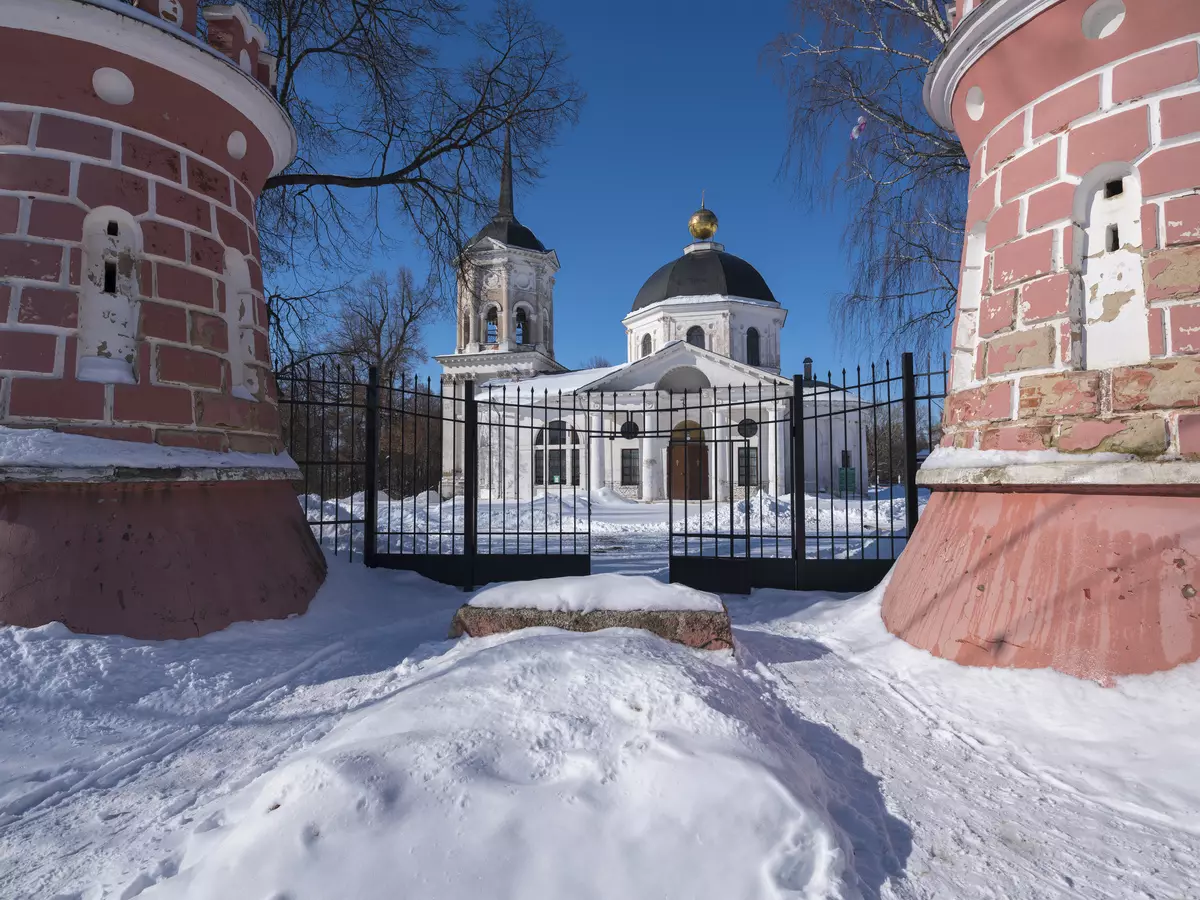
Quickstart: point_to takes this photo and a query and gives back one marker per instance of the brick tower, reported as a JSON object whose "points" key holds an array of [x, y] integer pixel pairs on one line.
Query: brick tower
{"points": [[1077, 338], [131, 156]]}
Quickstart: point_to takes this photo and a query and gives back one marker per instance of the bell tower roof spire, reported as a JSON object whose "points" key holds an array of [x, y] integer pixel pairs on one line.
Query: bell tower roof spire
{"points": [[505, 208], [504, 226]]}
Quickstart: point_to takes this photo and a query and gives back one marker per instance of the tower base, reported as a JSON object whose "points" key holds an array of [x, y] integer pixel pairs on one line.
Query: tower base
{"points": [[1090, 584], [154, 560]]}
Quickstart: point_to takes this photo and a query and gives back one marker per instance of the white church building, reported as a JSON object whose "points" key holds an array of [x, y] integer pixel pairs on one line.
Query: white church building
{"points": [[698, 410]]}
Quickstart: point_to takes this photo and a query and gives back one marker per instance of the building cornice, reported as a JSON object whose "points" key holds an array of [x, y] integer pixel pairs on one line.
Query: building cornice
{"points": [[978, 32], [150, 39], [701, 303]]}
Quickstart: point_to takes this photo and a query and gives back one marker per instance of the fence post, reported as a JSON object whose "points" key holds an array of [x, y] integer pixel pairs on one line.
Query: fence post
{"points": [[470, 481], [371, 477], [910, 442], [799, 542]]}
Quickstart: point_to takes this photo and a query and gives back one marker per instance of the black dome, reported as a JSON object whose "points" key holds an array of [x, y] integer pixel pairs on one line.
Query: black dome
{"points": [[704, 272], [511, 232]]}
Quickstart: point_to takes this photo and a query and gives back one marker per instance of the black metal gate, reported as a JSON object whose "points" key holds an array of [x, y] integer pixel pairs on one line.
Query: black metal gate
{"points": [[815, 490], [463, 489], [808, 486]]}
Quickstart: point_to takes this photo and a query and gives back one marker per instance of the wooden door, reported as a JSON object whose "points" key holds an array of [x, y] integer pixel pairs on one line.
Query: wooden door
{"points": [[689, 471]]}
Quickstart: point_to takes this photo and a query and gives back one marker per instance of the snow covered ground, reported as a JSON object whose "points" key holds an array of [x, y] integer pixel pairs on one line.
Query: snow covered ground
{"points": [[355, 752]]}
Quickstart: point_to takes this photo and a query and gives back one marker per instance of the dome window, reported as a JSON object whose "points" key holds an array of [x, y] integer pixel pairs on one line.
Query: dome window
{"points": [[695, 336], [753, 356], [647, 345]]}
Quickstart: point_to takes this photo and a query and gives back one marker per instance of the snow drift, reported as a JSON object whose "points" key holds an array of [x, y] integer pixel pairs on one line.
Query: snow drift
{"points": [[545, 765]]}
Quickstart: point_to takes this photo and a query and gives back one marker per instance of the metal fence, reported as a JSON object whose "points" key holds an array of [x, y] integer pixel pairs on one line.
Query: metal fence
{"points": [[808, 485]]}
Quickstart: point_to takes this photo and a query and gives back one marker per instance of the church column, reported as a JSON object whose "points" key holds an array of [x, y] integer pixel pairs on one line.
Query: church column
{"points": [[721, 437], [506, 310], [766, 450], [596, 451], [651, 467], [782, 452]]}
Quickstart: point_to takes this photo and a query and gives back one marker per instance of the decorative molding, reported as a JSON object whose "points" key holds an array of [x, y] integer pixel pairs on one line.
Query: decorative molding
{"points": [[128, 474], [148, 38], [1065, 475], [978, 33]]}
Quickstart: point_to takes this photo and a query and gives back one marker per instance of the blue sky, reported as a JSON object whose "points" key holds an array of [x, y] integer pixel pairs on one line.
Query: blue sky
{"points": [[679, 99]]}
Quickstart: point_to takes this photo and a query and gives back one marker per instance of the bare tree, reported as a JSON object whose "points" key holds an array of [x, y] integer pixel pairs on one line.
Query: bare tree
{"points": [[853, 71], [401, 105], [596, 362], [379, 322]]}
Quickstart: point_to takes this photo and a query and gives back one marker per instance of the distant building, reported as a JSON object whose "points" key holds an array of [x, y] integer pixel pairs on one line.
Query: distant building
{"points": [[703, 345]]}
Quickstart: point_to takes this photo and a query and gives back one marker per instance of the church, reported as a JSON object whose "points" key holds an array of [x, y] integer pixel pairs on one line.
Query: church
{"points": [[698, 411]]}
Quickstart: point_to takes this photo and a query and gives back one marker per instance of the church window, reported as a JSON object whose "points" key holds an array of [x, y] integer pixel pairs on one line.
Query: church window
{"points": [[753, 357], [695, 336], [493, 326], [747, 463], [521, 326], [647, 345], [631, 468], [549, 466]]}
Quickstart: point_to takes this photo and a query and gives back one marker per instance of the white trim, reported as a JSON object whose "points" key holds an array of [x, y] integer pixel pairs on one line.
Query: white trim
{"points": [[1064, 474], [976, 34], [224, 13], [124, 475], [142, 36]]}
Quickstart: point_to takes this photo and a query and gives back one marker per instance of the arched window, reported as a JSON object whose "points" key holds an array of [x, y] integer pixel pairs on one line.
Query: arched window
{"points": [[239, 320], [108, 318], [695, 336], [647, 345], [492, 332], [753, 357], [521, 326], [550, 465]]}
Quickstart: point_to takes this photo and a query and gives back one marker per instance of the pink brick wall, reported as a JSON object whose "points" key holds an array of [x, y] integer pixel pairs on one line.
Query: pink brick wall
{"points": [[55, 166], [1141, 110]]}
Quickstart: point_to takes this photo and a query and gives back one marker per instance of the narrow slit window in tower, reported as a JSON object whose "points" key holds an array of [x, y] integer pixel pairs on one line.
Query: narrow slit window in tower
{"points": [[110, 276], [113, 229], [1114, 188], [1113, 241]]}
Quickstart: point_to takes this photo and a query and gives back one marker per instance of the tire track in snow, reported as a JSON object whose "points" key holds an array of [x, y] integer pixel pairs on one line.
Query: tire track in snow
{"points": [[158, 746]]}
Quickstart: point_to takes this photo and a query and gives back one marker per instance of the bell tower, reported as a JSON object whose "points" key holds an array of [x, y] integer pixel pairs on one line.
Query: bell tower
{"points": [[505, 308]]}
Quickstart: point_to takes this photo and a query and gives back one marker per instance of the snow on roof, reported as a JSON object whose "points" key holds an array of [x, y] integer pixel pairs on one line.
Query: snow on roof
{"points": [[566, 382], [596, 592]]}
